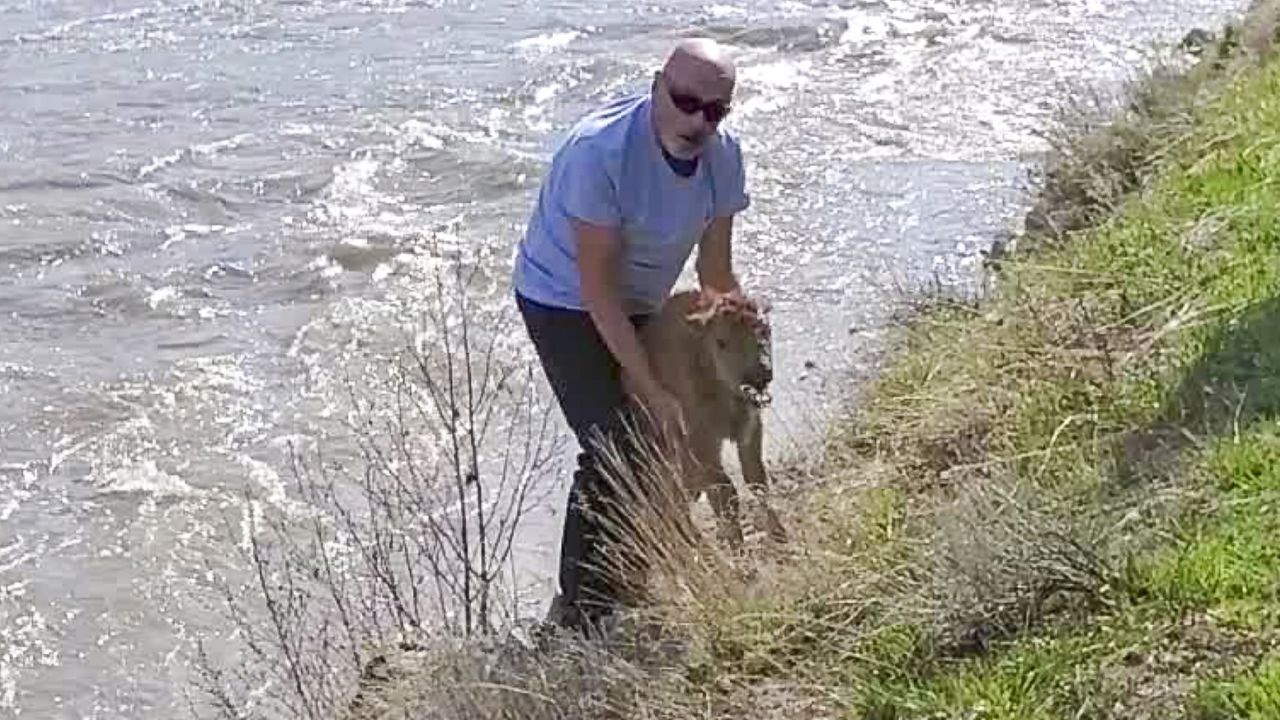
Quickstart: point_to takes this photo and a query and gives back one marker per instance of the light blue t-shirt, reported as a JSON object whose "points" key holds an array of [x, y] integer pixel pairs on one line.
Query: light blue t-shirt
{"points": [[610, 170]]}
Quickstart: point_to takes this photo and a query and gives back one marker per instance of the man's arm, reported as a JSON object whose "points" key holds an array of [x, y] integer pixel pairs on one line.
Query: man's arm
{"points": [[729, 197], [715, 257], [599, 248]]}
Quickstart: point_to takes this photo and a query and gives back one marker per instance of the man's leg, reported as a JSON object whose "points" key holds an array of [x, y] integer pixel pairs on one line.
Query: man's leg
{"points": [[586, 380]]}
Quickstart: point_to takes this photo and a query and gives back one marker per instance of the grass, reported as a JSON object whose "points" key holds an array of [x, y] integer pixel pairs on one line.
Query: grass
{"points": [[1254, 695], [1059, 501], [1227, 554]]}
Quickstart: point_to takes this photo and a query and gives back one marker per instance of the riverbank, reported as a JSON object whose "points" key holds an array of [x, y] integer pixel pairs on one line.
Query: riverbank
{"points": [[1057, 501]]}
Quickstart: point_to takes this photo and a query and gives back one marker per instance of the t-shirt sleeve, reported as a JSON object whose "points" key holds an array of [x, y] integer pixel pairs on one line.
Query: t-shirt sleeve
{"points": [[587, 192], [729, 187]]}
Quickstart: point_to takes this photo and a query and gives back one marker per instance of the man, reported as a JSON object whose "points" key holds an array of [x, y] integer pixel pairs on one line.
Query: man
{"points": [[631, 191]]}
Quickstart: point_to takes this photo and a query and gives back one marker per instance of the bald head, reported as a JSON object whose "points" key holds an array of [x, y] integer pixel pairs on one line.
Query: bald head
{"points": [[702, 59], [691, 95]]}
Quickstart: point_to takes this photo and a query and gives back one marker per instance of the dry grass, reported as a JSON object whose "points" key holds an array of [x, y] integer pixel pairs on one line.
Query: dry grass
{"points": [[507, 679]]}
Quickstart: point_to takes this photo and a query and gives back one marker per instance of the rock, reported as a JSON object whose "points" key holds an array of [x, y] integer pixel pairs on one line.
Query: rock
{"points": [[1195, 41]]}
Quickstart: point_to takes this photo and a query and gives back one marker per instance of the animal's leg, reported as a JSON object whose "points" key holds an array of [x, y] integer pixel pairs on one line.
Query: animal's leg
{"points": [[679, 491], [721, 494], [751, 456], [724, 501]]}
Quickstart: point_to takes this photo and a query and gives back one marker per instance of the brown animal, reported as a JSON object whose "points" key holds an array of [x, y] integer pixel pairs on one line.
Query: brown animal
{"points": [[715, 356]]}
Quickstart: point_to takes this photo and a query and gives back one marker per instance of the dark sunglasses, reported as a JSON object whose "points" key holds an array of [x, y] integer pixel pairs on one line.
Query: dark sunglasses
{"points": [[714, 110]]}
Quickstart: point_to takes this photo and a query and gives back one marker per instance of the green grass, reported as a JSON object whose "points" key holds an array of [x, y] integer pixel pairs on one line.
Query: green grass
{"points": [[1228, 553], [1145, 362], [1254, 695], [1070, 491]]}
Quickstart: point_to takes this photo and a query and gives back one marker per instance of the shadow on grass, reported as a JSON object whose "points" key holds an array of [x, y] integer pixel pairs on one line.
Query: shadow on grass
{"points": [[1234, 384]]}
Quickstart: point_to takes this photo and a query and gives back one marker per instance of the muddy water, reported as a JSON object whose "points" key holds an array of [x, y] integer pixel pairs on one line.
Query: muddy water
{"points": [[209, 209]]}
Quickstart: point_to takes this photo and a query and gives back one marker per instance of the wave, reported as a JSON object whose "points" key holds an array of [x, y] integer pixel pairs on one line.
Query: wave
{"points": [[79, 181], [548, 42], [191, 152], [146, 478], [803, 37]]}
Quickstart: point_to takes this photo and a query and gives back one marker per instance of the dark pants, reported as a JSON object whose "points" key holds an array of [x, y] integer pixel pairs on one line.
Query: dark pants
{"points": [[586, 380]]}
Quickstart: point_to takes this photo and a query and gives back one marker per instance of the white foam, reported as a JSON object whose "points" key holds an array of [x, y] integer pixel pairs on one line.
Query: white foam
{"points": [[326, 266], [773, 79], [547, 92], [198, 229], [218, 146], [724, 11], [293, 129], [778, 74], [354, 179], [60, 455], [61, 30], [548, 41], [251, 517], [265, 477], [215, 372], [422, 134], [11, 555], [178, 233], [353, 202], [22, 640], [862, 27], [160, 162], [163, 295], [10, 506], [146, 478]]}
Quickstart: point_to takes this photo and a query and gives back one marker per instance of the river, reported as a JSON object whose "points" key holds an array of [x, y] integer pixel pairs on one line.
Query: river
{"points": [[208, 208]]}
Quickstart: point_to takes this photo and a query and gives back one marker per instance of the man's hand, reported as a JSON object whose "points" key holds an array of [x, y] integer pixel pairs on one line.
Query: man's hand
{"points": [[667, 415]]}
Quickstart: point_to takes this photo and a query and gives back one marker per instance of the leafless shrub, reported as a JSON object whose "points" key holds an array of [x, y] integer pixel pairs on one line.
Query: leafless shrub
{"points": [[1001, 554], [635, 669], [405, 540]]}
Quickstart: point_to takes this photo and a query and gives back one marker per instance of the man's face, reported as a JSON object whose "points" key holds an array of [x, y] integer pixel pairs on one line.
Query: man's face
{"points": [[682, 103]]}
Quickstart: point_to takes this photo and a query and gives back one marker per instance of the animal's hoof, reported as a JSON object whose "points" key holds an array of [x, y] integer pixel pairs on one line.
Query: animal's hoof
{"points": [[556, 612], [731, 535], [779, 535], [773, 526]]}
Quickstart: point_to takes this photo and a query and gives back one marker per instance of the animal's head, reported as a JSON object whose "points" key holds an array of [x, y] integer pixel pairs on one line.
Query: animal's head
{"points": [[735, 336]]}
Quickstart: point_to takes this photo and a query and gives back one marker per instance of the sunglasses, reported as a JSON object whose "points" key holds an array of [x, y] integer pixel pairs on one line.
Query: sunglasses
{"points": [[713, 110]]}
